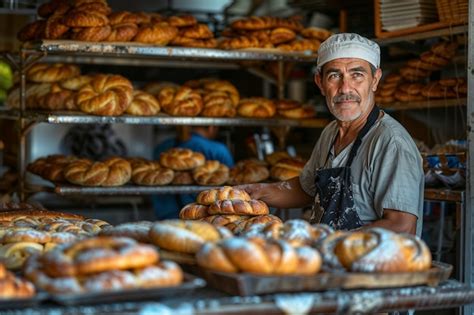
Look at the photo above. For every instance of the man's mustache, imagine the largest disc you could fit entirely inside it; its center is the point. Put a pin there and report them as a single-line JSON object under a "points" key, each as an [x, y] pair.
{"points": [[345, 97]]}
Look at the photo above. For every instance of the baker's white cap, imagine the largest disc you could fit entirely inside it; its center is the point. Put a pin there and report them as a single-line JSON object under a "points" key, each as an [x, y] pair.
{"points": [[348, 45]]}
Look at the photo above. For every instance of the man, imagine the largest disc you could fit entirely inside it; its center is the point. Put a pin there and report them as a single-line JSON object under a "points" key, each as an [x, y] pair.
{"points": [[365, 170], [168, 206]]}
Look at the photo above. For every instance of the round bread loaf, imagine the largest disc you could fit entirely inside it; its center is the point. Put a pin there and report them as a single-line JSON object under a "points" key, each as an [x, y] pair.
{"points": [[208, 197], [211, 173], [286, 169], [316, 33], [193, 211], [256, 107], [181, 159], [150, 173], [248, 171]]}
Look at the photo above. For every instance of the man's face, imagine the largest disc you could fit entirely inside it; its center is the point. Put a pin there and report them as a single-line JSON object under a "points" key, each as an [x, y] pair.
{"points": [[349, 86]]}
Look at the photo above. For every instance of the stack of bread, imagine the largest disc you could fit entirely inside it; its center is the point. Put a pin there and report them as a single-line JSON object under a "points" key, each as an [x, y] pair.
{"points": [[27, 232], [408, 85], [13, 287], [272, 32], [228, 207], [101, 264]]}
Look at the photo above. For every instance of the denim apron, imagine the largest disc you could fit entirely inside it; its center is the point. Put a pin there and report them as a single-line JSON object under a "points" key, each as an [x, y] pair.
{"points": [[334, 202]]}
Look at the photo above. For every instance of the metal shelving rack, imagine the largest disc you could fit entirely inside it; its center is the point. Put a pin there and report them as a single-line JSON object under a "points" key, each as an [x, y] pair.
{"points": [[137, 54]]}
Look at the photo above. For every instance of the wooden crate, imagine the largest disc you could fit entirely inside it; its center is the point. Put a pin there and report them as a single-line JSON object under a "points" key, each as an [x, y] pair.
{"points": [[380, 33]]}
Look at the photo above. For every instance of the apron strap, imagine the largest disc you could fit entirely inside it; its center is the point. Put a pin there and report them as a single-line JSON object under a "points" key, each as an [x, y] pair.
{"points": [[374, 114]]}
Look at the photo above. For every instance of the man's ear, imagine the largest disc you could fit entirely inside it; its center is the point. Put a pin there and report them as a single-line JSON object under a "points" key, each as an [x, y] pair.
{"points": [[376, 81], [317, 80]]}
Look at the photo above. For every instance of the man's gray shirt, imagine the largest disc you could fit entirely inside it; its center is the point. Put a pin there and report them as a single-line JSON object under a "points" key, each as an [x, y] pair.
{"points": [[387, 171]]}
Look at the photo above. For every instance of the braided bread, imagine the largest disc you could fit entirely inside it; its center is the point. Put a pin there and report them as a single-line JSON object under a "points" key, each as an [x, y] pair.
{"points": [[193, 211], [157, 34], [245, 223], [51, 167], [105, 95], [285, 169], [184, 236], [316, 33], [192, 42], [258, 256], [255, 23], [420, 64], [111, 172], [241, 207], [223, 219], [57, 99], [12, 287], [181, 159], [248, 171], [150, 173], [14, 255], [54, 27], [76, 83], [218, 104], [197, 31], [121, 17], [122, 32], [42, 72], [182, 178], [242, 42], [96, 6], [223, 86], [182, 20], [182, 101], [281, 35], [80, 18], [211, 173], [53, 7], [301, 45], [143, 104], [208, 197], [256, 107], [136, 230], [32, 31], [412, 74]]}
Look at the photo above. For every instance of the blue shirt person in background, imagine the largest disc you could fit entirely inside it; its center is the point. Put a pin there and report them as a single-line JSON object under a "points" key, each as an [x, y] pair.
{"points": [[168, 206]]}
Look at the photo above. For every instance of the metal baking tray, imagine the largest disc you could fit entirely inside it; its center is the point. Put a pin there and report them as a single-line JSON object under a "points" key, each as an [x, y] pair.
{"points": [[64, 117], [245, 284], [137, 50], [69, 189], [24, 302], [190, 283]]}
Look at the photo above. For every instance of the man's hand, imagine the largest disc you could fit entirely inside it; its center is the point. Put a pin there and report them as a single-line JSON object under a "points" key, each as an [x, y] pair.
{"points": [[397, 221]]}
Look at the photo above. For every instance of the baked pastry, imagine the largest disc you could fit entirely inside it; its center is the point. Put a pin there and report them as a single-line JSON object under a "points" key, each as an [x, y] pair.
{"points": [[43, 72], [76, 83], [259, 107], [137, 230], [242, 42], [380, 250], [225, 87], [182, 101], [218, 104], [301, 45], [32, 31], [181, 159], [240, 207], [150, 173], [98, 254], [108, 95], [286, 169], [193, 211], [54, 27], [121, 17], [122, 32], [276, 156], [240, 226], [83, 18], [420, 64], [57, 99], [301, 112], [411, 88], [247, 172], [211, 173], [143, 104], [433, 59], [12, 287], [184, 236], [405, 97], [445, 49], [182, 20], [258, 256], [223, 219], [437, 90], [157, 34], [183, 178], [97, 6], [316, 33], [197, 31], [51, 167], [208, 197], [111, 172], [413, 74], [192, 42], [53, 7]]}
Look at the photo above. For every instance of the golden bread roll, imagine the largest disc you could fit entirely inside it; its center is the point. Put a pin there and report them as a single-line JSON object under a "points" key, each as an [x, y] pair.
{"points": [[193, 211], [240, 207], [281, 35], [218, 104], [143, 104], [258, 256], [208, 197], [123, 32], [286, 169], [411, 88], [96, 6], [247, 172], [211, 173], [316, 33], [108, 95], [98, 254], [76, 83], [157, 34], [54, 27], [182, 20], [240, 226], [182, 101], [242, 42], [433, 59], [43, 72], [445, 49], [276, 156], [184, 236], [259, 107], [181, 159], [223, 86], [110, 172], [121, 17], [51, 167], [32, 31], [380, 250], [301, 112], [15, 254], [255, 23], [437, 90], [301, 45], [412, 74], [78, 18], [57, 99], [192, 42], [183, 178], [222, 219], [150, 173], [197, 31]]}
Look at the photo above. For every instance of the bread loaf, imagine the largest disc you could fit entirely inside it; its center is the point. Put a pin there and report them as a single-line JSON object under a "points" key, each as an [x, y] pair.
{"points": [[182, 20], [150, 173], [248, 171], [240, 207], [83, 18], [143, 104], [211, 173], [111, 172], [256, 107], [181, 159], [223, 219], [122, 32], [193, 211], [208, 197], [137, 230], [316, 33], [183, 101], [157, 34], [286, 169], [42, 72], [183, 178]]}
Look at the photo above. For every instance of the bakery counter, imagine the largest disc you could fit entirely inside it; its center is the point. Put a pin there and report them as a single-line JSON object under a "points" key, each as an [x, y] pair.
{"points": [[448, 294]]}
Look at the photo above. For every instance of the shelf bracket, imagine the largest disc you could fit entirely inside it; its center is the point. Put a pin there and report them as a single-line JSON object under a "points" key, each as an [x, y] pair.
{"points": [[27, 128]]}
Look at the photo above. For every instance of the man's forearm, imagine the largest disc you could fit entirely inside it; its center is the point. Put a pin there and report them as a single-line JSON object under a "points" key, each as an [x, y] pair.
{"points": [[397, 225]]}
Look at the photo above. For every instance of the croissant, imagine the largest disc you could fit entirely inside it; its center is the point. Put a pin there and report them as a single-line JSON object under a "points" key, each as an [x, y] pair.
{"points": [[150, 173], [105, 95], [42, 72], [208, 197], [181, 159], [258, 256], [241, 207], [185, 236], [111, 172], [143, 104], [211, 173]]}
